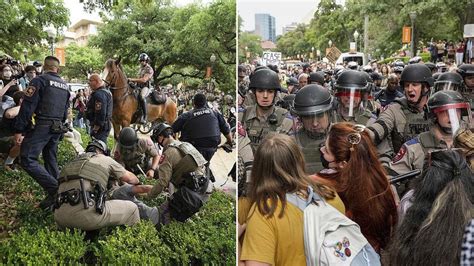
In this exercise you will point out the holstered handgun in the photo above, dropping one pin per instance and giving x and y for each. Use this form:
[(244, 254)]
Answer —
[(100, 199), (84, 194)]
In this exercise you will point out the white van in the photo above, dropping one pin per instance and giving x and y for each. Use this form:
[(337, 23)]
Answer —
[(348, 57)]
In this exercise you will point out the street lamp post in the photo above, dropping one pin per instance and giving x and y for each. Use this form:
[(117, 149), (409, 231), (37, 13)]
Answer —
[(412, 18), (51, 35), (312, 52), (318, 54), (356, 36), (330, 43), (25, 54)]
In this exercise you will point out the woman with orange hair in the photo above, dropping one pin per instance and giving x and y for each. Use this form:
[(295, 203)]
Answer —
[(354, 171)]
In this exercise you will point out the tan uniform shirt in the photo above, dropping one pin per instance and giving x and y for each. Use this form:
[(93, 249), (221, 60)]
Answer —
[(173, 165), (258, 127), (412, 154), (137, 155)]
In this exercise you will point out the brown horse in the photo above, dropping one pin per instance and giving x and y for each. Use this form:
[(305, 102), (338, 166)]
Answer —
[(125, 103)]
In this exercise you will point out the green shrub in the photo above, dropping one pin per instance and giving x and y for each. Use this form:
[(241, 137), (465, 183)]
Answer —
[(133, 245), (43, 247)]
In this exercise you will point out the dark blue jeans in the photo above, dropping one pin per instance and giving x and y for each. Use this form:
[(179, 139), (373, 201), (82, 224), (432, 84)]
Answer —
[(37, 141)]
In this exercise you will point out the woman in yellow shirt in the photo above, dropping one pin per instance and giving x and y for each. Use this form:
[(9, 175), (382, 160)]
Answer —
[(274, 232)]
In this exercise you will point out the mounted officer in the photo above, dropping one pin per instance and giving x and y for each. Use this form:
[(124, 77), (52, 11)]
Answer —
[(145, 76), (47, 97), (182, 166), (264, 117), (137, 154), (99, 109), (314, 107), (404, 118)]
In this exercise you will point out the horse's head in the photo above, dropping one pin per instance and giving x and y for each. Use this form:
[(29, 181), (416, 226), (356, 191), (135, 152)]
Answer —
[(114, 75)]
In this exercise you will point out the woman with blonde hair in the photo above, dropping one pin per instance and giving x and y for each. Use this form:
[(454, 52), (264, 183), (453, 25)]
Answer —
[(355, 173), (274, 233)]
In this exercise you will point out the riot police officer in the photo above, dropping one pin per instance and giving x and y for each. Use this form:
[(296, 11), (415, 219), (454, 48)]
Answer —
[(81, 201), (314, 106), (202, 127), (99, 109), (145, 76), (47, 97), (449, 81), (404, 118), (182, 166), (263, 117), (448, 111), (350, 87), (316, 78), (137, 154), (467, 73)]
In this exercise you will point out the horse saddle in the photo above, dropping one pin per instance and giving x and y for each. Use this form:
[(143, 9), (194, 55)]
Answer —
[(157, 97)]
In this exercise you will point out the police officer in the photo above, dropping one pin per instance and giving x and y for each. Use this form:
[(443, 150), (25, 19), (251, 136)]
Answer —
[(404, 118), (316, 78), (350, 86), (449, 81), (182, 166), (292, 85), (202, 127), (467, 73), (81, 201), (47, 97), (99, 108), (145, 75), (263, 117), (448, 111), (314, 106), (137, 154)]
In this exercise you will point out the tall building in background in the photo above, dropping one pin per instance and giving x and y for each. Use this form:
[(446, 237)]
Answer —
[(265, 27)]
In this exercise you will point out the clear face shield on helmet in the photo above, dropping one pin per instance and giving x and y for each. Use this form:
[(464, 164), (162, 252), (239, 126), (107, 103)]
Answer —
[(455, 116), (446, 85), (349, 100), (317, 125)]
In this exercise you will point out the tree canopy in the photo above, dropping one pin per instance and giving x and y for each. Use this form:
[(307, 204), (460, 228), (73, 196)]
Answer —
[(179, 41), (23, 23), (331, 21)]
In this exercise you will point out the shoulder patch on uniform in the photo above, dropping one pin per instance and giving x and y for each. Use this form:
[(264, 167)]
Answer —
[(400, 154), (162, 158), (412, 141), (30, 91), (98, 106), (241, 129)]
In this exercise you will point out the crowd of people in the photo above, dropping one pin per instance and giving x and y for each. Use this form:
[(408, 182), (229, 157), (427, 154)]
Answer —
[(388, 146), (98, 189)]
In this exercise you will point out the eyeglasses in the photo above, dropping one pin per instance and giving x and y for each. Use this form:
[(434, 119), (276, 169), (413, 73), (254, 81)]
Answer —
[(355, 137)]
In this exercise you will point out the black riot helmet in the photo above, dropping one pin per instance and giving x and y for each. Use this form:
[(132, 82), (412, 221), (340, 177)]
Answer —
[(292, 81), (265, 79), (349, 79), (431, 66), (316, 77), (416, 73), (466, 70), (143, 57), (450, 101), (312, 99), (287, 101), (128, 137), (99, 144), (162, 129), (448, 81)]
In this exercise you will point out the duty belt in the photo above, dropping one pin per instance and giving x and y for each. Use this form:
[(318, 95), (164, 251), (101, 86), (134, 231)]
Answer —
[(74, 197), (46, 121)]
